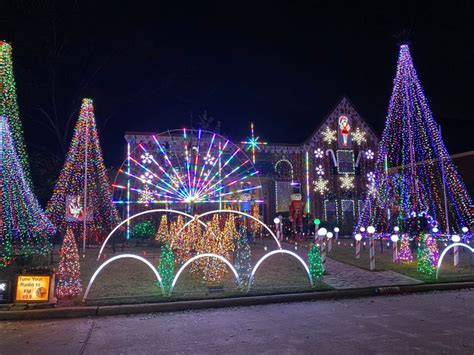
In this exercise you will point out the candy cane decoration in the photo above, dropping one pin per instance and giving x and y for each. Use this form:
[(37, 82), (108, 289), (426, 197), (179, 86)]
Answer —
[(372, 253), (371, 231), (358, 238), (456, 239), (329, 235), (394, 239), (323, 254), (456, 257)]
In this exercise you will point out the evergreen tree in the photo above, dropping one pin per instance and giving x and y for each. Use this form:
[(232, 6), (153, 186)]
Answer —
[(166, 266), (243, 256), (316, 268), (24, 228), (69, 273), (413, 166), (163, 231), (66, 207), (9, 106), (405, 251)]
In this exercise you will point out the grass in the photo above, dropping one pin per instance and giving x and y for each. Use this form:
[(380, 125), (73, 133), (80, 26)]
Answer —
[(345, 253), (131, 281)]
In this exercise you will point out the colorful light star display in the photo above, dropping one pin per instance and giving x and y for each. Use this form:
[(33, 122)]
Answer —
[(9, 106), (187, 167), (413, 167), (69, 271), (101, 215), (24, 228), (253, 144)]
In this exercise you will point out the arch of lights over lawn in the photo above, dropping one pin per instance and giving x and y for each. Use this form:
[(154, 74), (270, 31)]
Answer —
[(123, 256), (188, 169)]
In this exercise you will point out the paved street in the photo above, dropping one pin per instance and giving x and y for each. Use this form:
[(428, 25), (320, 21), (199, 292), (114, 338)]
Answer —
[(421, 323)]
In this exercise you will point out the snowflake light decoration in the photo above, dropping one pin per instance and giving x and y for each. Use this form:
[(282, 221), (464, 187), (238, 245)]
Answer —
[(371, 176), (369, 154), (147, 177), (147, 158), (329, 135), (347, 181), (371, 190), (358, 136), (209, 159), (320, 170), (146, 196), (319, 153), (321, 185)]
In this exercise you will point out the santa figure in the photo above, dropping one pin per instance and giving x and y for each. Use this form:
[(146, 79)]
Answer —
[(345, 128)]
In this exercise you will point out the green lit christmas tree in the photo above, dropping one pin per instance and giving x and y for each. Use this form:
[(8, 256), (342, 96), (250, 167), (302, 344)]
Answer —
[(166, 267), (316, 267)]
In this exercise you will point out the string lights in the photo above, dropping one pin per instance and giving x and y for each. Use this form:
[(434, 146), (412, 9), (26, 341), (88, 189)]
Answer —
[(24, 227), (69, 270), (9, 106), (413, 171), (99, 212)]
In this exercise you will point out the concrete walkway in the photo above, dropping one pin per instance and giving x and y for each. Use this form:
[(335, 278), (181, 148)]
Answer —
[(343, 276)]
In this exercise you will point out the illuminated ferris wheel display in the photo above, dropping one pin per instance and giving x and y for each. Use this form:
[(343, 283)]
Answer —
[(186, 167)]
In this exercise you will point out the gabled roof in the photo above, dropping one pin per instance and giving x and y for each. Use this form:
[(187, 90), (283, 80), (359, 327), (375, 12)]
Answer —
[(344, 105)]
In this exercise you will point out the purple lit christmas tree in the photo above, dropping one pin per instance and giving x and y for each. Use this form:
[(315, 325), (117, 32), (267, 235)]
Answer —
[(24, 228), (414, 172)]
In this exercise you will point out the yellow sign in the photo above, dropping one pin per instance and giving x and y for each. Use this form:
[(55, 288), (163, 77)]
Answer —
[(31, 288)]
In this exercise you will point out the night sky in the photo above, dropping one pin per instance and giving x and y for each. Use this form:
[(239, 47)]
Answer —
[(282, 66)]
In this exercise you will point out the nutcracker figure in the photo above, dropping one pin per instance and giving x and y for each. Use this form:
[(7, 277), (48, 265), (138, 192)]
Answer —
[(296, 211)]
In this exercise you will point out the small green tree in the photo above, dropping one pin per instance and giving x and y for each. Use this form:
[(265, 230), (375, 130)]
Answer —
[(423, 257), (166, 267), (316, 268), (143, 230)]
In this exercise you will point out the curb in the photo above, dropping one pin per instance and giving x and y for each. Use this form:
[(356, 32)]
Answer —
[(92, 311)]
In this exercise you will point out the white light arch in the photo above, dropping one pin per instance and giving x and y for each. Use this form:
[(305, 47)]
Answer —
[(122, 256), (141, 214), (441, 257), (204, 255), (236, 212), (279, 251), (291, 167)]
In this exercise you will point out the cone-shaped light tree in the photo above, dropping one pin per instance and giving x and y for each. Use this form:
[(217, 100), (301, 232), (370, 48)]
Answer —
[(24, 227), (9, 105), (69, 272), (83, 190), (414, 172)]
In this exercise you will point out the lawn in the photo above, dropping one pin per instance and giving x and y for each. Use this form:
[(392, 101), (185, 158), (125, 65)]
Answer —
[(383, 261), (131, 281)]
